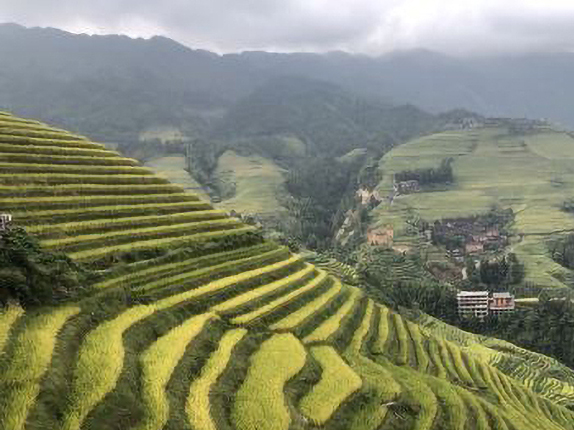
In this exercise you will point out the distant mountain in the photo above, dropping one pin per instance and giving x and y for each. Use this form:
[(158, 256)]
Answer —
[(326, 118), (111, 87), (528, 85)]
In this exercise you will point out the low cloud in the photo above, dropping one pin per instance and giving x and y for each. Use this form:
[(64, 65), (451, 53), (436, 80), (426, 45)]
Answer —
[(368, 26)]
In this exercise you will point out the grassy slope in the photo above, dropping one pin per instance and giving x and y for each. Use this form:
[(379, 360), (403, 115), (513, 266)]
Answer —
[(173, 169), (257, 181), (127, 355), (531, 174)]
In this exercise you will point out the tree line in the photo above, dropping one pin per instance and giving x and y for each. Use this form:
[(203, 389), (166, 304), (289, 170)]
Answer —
[(442, 174)]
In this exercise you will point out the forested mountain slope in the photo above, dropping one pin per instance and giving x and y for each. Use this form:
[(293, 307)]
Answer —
[(111, 85), (196, 322)]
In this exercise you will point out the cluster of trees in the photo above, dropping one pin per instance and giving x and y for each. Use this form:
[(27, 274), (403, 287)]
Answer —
[(318, 185), (497, 274), (402, 281), (34, 277), (442, 174), (562, 250)]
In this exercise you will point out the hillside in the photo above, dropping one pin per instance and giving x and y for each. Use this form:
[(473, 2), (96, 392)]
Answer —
[(496, 166), (197, 323), (159, 82)]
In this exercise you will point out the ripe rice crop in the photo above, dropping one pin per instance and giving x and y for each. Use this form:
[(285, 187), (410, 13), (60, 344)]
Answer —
[(422, 357), (8, 317), (28, 125), (97, 151), (363, 330), (478, 414), (338, 382), (402, 338), (66, 160), (281, 301), (198, 402), (453, 408), (260, 402), (296, 318), (332, 324), (207, 262), (380, 343), (11, 191), (49, 133), (83, 242), (93, 213), (8, 117), (447, 360), (258, 293), (103, 347), (53, 203), (20, 380), (459, 364), (33, 126), (106, 225), (417, 393), (70, 169), (435, 356), (74, 178), (158, 363), (285, 260), (475, 375), (63, 141), (93, 254)]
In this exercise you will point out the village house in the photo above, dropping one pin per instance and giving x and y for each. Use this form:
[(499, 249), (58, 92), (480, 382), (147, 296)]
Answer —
[(367, 196), (456, 254), (5, 221), (406, 187), (474, 247), (380, 236), (501, 303)]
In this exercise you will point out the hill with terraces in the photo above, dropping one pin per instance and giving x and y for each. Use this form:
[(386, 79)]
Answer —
[(503, 164), (196, 322)]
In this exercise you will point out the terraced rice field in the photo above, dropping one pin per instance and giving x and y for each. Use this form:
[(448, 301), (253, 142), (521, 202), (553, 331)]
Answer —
[(198, 323), (493, 166)]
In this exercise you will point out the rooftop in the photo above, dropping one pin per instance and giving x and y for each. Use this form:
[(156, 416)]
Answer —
[(472, 293), (501, 295)]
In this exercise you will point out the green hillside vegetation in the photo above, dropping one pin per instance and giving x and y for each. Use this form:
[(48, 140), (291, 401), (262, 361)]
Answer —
[(196, 322), (173, 169), (250, 185), (531, 173)]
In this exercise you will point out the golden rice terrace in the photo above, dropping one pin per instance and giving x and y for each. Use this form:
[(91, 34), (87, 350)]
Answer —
[(207, 326)]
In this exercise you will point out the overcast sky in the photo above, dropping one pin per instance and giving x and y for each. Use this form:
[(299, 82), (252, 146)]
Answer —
[(368, 26)]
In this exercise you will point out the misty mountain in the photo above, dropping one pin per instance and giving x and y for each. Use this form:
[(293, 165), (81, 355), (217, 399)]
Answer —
[(328, 119), (113, 86)]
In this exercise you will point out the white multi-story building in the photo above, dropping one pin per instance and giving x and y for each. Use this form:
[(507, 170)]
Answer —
[(473, 303), (480, 303)]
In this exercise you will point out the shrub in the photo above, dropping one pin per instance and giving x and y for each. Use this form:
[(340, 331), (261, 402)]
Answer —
[(35, 277)]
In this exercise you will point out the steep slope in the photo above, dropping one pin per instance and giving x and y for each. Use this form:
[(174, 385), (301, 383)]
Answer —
[(199, 323), (527, 171)]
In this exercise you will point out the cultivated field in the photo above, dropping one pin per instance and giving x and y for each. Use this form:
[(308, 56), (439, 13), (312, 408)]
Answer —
[(533, 174), (198, 323)]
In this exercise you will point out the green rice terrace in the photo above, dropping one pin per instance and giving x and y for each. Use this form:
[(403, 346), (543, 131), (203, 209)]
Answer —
[(530, 172), (198, 323)]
